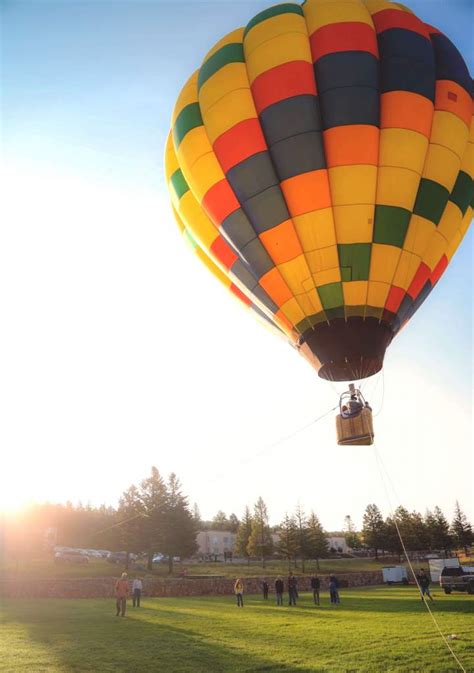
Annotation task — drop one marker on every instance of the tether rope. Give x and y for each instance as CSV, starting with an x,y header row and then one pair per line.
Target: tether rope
x,y
272,446
382,469
119,523
241,462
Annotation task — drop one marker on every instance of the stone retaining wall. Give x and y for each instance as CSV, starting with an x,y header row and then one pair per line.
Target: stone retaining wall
x,y
103,587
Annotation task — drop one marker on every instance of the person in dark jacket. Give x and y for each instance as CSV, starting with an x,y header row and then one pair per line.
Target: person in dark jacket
x,y
315,586
279,591
265,589
333,589
424,582
292,590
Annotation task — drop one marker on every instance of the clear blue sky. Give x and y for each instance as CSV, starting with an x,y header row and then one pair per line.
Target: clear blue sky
x,y
88,90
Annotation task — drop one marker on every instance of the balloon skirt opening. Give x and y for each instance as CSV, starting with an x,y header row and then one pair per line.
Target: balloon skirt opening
x,y
347,350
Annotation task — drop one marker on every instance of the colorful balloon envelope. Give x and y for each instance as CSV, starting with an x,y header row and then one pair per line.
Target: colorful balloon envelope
x,y
321,160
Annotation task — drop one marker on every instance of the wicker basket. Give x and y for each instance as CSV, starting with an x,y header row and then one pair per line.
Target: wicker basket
x,y
358,430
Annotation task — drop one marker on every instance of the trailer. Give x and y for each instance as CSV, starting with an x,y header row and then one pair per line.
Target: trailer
x,y
437,565
395,575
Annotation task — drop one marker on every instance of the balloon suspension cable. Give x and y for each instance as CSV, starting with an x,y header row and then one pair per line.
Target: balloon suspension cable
x,y
273,445
383,393
383,470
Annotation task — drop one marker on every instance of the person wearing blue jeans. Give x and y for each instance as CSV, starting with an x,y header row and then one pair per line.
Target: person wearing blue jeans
x,y
239,592
424,582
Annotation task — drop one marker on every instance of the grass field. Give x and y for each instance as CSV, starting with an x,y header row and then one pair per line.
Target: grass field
x,y
378,630
45,567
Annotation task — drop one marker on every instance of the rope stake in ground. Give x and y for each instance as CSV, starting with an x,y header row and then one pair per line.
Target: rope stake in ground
x,y
382,469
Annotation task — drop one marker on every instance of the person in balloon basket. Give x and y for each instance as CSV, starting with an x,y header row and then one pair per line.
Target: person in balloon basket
x,y
137,587
315,586
121,594
239,592
424,582
279,588
333,590
265,589
292,590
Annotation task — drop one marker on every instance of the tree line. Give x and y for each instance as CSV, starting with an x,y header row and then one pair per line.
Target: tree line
x,y
431,532
154,516
299,537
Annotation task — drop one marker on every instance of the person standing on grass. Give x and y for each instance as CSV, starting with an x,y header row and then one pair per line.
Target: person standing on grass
x,y
424,582
121,593
279,591
292,590
333,589
265,589
137,587
239,592
315,586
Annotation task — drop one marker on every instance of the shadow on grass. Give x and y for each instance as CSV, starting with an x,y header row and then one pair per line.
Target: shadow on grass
x,y
83,638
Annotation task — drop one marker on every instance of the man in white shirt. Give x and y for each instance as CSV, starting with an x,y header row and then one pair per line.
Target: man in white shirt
x,y
137,587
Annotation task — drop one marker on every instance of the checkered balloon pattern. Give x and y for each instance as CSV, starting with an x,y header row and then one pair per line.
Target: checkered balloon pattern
x,y
320,163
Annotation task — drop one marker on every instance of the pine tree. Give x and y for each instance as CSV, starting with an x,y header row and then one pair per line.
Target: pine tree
x,y
243,535
153,496
288,543
391,540
220,521
131,529
373,529
260,542
317,542
442,538
351,536
420,533
197,515
179,534
461,528
233,523
301,535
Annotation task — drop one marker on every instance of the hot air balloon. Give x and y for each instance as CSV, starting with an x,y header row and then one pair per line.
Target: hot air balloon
x,y
322,158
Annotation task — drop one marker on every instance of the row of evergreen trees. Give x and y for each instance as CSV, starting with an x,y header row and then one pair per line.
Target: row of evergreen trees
x,y
429,532
299,536
154,517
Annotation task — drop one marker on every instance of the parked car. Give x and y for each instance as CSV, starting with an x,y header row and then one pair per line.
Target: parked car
x,y
457,579
120,557
103,553
70,557
93,553
161,558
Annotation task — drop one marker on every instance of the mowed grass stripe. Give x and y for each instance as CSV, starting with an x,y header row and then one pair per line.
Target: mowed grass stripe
x,y
372,630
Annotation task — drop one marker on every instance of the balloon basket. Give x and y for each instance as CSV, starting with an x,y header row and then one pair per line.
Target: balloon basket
x,y
357,430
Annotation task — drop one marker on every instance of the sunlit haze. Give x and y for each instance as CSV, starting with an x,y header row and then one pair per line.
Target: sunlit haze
x,y
119,350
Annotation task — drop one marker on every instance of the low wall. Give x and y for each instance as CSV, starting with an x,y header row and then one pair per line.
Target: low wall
x,y
103,587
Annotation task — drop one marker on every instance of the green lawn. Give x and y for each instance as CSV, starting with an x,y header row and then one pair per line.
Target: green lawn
x,y
379,630
45,567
